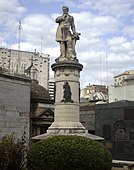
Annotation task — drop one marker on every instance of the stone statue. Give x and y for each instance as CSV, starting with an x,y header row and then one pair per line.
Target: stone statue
x,y
66,35
67,93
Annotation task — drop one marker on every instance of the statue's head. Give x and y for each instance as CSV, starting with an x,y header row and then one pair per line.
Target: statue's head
x,y
65,9
66,83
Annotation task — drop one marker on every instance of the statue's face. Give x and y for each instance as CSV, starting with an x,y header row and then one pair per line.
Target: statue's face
x,y
65,10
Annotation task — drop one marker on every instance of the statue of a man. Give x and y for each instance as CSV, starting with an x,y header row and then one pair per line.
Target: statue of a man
x,y
66,35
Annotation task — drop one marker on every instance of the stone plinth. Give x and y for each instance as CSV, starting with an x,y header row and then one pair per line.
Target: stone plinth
x,y
66,109
67,112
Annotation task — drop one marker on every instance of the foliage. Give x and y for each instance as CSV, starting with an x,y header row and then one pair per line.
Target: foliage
x,y
68,153
12,153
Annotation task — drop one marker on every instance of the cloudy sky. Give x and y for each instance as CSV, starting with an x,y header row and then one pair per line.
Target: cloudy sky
x,y
106,45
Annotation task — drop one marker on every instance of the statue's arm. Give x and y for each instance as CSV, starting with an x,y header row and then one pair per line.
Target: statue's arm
x,y
73,26
76,34
59,19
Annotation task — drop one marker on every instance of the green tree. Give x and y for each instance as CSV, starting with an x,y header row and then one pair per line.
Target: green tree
x,y
12,153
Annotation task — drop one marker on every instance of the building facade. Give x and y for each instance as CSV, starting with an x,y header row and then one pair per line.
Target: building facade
x,y
94,92
87,116
16,61
124,89
52,89
115,122
25,107
121,93
14,105
41,109
120,78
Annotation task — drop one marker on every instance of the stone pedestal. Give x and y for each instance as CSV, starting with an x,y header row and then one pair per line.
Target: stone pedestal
x,y
67,112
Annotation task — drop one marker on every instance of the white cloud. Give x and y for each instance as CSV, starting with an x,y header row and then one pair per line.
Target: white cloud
x,y
106,24
116,40
94,25
26,46
10,12
118,8
125,47
13,6
48,1
37,28
104,28
129,30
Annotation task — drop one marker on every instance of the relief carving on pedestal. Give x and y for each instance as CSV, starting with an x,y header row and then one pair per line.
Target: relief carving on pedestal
x,y
67,93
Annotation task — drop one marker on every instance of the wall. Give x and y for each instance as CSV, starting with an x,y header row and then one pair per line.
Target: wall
x,y
115,122
87,117
14,105
9,60
121,93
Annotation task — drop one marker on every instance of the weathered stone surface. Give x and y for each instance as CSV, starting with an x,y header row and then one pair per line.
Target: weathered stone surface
x,y
114,121
66,35
14,105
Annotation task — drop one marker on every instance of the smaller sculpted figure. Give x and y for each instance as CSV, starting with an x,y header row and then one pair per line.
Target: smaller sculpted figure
x,y
120,133
66,35
67,93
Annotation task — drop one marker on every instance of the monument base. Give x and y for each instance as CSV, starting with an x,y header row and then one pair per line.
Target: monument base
x,y
67,133
67,114
66,127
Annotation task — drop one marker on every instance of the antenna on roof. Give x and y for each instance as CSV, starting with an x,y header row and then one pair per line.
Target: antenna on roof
x,y
100,71
107,69
19,36
19,39
41,45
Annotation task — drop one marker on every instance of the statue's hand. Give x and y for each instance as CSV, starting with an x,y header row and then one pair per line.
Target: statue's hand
x,y
76,35
64,16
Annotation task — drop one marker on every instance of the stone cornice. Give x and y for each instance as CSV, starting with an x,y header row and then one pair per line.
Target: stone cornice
x,y
67,64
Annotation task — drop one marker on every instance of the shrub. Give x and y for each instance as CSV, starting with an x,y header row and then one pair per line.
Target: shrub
x,y
12,153
68,153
